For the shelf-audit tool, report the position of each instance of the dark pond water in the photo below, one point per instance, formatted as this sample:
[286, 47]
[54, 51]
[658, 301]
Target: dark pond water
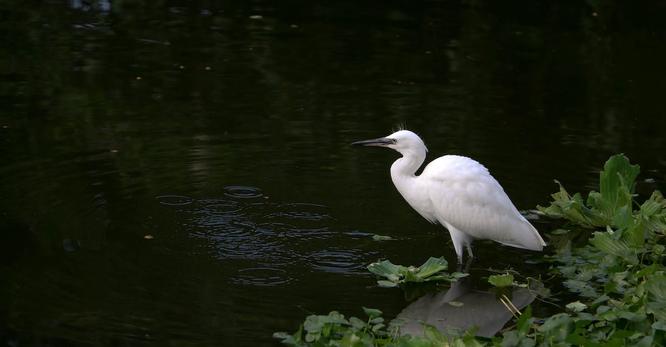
[179, 172]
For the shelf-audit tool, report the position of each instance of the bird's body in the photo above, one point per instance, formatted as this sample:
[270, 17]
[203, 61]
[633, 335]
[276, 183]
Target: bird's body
[458, 193]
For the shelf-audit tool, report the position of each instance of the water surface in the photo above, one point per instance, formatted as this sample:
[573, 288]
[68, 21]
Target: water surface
[179, 172]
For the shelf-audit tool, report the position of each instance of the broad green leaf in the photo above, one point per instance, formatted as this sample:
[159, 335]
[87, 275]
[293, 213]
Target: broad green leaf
[524, 321]
[616, 183]
[622, 217]
[605, 243]
[377, 327]
[584, 288]
[372, 312]
[656, 286]
[432, 266]
[659, 325]
[635, 234]
[559, 231]
[432, 334]
[386, 284]
[653, 213]
[385, 269]
[576, 306]
[313, 323]
[600, 299]
[557, 327]
[572, 208]
[285, 338]
[357, 323]
[377, 320]
[395, 275]
[505, 280]
[655, 204]
[658, 309]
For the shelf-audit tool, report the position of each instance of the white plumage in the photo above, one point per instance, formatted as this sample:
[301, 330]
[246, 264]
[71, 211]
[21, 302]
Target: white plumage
[458, 193]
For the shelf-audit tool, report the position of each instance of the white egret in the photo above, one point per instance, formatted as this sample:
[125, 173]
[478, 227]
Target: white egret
[458, 193]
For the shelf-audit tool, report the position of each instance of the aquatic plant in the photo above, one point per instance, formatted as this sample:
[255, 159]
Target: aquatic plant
[432, 270]
[618, 277]
[336, 330]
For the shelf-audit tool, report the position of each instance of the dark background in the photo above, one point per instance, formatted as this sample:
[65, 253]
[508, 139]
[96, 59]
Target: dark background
[222, 131]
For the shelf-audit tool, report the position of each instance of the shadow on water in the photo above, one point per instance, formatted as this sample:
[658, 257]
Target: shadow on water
[178, 173]
[460, 308]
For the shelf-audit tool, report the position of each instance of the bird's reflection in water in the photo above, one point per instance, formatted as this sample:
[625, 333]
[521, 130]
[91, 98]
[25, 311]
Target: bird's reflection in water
[461, 308]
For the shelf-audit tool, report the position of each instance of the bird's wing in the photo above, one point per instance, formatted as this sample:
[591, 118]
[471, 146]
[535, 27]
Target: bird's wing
[465, 195]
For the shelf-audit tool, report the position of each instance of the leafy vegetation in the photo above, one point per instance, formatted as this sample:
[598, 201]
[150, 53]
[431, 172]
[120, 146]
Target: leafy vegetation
[505, 280]
[394, 275]
[618, 277]
[336, 330]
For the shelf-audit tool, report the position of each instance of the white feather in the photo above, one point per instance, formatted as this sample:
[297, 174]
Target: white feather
[460, 194]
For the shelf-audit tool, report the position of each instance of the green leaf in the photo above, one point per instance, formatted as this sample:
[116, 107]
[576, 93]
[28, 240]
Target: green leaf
[287, 339]
[559, 232]
[382, 238]
[386, 284]
[573, 209]
[659, 325]
[372, 312]
[635, 234]
[524, 321]
[557, 327]
[394, 275]
[505, 280]
[377, 320]
[656, 286]
[582, 287]
[576, 306]
[605, 243]
[653, 213]
[432, 266]
[385, 269]
[612, 205]
[616, 183]
[434, 335]
[357, 323]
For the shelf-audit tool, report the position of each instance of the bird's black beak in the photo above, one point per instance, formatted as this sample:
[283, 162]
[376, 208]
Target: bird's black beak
[382, 142]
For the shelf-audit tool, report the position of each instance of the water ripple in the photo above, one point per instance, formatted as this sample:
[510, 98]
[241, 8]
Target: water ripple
[346, 261]
[243, 192]
[276, 238]
[174, 200]
[262, 276]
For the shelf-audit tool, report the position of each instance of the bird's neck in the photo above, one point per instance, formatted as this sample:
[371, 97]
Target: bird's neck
[404, 169]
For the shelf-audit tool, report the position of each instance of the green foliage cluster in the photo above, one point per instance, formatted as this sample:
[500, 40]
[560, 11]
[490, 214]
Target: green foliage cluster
[432, 270]
[504, 280]
[618, 276]
[334, 327]
[336, 330]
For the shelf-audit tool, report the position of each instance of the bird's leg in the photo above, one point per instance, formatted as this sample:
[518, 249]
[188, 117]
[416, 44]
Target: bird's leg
[458, 239]
[459, 267]
[468, 265]
[470, 258]
[470, 255]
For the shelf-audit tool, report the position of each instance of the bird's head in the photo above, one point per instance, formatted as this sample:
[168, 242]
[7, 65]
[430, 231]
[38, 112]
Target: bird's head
[403, 141]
